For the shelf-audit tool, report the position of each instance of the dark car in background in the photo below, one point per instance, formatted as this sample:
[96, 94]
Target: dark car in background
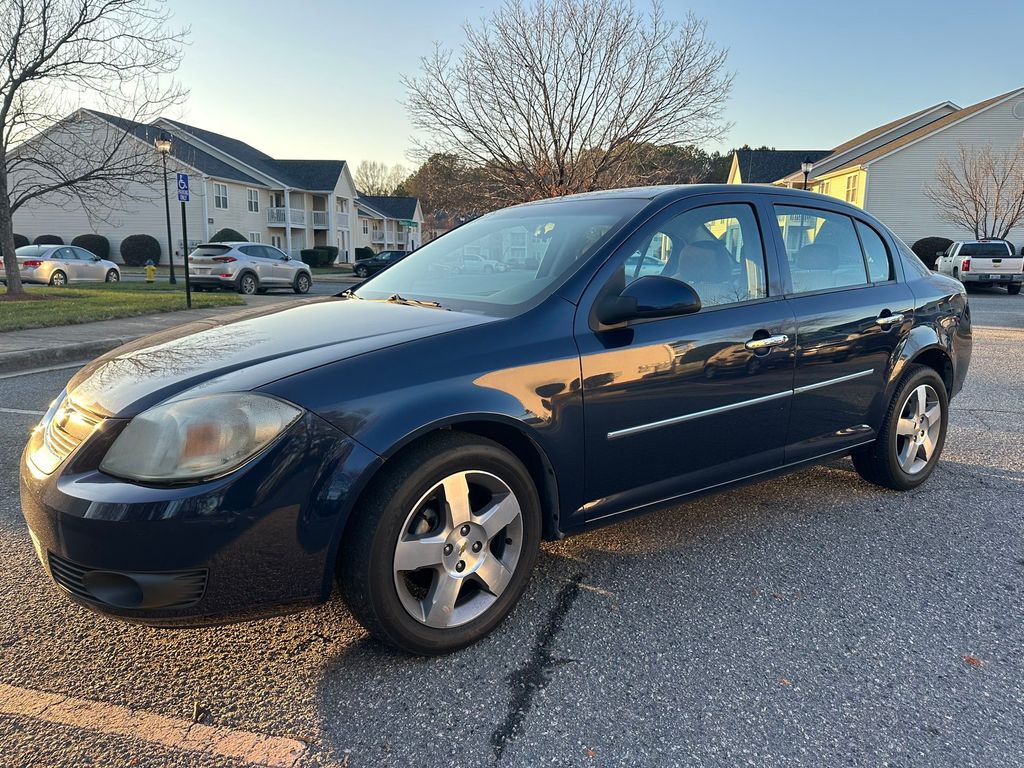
[373, 265]
[414, 439]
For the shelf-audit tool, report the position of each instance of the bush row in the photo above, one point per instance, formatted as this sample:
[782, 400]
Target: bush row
[97, 244]
[319, 256]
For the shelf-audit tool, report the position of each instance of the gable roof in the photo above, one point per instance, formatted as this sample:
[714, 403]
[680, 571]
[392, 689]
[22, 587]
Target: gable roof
[394, 207]
[318, 175]
[881, 130]
[763, 166]
[923, 131]
[180, 150]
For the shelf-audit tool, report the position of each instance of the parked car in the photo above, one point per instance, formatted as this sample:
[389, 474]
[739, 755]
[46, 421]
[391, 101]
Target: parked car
[60, 265]
[247, 268]
[383, 260]
[983, 263]
[416, 437]
[474, 264]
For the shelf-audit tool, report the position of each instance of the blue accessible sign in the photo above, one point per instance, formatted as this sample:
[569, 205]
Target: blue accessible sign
[182, 187]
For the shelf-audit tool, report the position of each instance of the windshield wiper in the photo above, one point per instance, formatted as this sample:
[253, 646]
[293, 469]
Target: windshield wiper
[394, 298]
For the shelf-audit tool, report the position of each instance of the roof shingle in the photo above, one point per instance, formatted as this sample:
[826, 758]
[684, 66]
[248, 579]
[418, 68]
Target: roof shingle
[763, 166]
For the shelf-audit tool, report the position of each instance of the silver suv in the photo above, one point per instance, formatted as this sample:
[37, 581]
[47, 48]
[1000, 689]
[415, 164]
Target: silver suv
[247, 268]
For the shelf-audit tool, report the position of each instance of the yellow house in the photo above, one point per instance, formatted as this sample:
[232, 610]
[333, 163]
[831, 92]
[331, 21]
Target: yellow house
[765, 166]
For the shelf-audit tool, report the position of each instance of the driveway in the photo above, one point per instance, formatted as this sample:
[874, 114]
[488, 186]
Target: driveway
[811, 620]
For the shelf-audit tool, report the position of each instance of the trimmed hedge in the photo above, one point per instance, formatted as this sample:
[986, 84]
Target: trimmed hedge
[48, 240]
[331, 250]
[315, 257]
[20, 240]
[927, 249]
[227, 235]
[136, 250]
[364, 253]
[96, 244]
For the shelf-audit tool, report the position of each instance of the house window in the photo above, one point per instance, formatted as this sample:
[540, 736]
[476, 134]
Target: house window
[851, 188]
[825, 187]
[366, 228]
[275, 240]
[341, 204]
[254, 237]
[253, 201]
[220, 196]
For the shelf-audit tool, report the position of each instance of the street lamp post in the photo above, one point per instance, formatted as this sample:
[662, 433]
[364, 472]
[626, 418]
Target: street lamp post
[163, 146]
[806, 166]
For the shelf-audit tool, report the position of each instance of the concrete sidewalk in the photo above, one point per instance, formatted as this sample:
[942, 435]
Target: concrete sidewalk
[39, 347]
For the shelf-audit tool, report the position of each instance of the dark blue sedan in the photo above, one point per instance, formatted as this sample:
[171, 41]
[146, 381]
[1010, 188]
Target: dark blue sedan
[414, 439]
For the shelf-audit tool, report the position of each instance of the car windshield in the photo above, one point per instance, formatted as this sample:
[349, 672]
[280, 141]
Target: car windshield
[507, 261]
[32, 250]
[984, 249]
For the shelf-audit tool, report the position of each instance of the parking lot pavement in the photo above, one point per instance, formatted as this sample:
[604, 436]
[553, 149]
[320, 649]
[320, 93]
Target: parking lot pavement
[810, 620]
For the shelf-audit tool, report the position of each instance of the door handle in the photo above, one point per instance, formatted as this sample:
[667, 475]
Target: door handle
[889, 320]
[767, 343]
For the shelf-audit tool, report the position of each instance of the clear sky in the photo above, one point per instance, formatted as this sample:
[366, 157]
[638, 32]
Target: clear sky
[320, 79]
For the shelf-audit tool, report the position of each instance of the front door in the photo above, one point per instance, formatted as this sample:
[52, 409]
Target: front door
[852, 312]
[678, 404]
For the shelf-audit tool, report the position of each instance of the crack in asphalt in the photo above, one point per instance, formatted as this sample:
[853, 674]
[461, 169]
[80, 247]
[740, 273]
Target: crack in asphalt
[535, 674]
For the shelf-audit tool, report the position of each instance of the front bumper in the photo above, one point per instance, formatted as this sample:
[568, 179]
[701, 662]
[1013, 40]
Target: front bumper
[258, 541]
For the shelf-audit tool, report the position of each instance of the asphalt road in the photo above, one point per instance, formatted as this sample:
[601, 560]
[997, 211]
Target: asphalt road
[812, 620]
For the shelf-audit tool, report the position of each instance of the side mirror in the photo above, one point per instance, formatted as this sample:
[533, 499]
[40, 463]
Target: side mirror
[647, 298]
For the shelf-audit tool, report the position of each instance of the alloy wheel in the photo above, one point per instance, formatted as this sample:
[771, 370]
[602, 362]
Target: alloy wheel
[248, 285]
[458, 549]
[918, 429]
[58, 279]
[112, 277]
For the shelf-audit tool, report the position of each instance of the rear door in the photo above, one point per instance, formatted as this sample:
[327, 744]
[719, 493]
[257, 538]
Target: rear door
[259, 263]
[852, 311]
[995, 260]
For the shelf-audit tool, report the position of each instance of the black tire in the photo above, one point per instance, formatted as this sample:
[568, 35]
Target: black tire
[366, 556]
[248, 284]
[878, 463]
[1014, 289]
[361, 271]
[59, 279]
[112, 276]
[303, 282]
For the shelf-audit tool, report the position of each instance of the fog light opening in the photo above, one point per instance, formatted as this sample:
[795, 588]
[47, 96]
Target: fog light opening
[115, 589]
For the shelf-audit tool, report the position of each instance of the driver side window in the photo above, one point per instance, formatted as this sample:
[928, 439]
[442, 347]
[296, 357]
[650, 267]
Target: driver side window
[716, 249]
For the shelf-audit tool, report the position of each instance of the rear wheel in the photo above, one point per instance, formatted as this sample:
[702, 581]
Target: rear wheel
[912, 435]
[1013, 289]
[442, 546]
[58, 279]
[247, 284]
[112, 276]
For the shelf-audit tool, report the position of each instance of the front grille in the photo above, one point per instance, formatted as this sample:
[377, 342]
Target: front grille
[67, 429]
[166, 589]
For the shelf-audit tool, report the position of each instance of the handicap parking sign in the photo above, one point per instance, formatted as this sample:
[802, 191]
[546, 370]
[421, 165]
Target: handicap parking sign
[182, 187]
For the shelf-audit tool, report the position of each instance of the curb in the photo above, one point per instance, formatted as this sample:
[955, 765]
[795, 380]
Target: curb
[26, 359]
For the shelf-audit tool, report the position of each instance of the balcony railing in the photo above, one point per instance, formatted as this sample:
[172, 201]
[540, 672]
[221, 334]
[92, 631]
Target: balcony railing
[378, 236]
[282, 216]
[320, 219]
[341, 220]
[400, 238]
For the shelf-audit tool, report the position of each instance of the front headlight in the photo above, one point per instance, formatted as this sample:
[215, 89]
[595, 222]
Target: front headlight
[197, 438]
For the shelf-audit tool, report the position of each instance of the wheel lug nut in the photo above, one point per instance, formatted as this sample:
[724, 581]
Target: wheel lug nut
[477, 546]
[464, 530]
[460, 566]
[448, 549]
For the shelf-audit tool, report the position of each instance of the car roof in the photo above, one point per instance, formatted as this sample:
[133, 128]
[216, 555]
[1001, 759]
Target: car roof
[37, 249]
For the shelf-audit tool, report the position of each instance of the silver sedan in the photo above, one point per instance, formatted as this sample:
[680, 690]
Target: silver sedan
[62, 264]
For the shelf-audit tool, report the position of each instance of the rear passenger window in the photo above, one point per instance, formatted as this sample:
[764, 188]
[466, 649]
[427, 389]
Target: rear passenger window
[822, 249]
[877, 255]
[715, 249]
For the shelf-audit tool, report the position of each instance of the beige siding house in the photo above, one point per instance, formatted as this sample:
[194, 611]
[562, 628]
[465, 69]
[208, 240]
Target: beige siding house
[388, 223]
[292, 204]
[887, 170]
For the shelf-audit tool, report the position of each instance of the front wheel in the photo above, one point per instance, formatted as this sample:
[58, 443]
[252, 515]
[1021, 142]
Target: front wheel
[361, 271]
[1013, 289]
[442, 546]
[912, 435]
[113, 276]
[302, 283]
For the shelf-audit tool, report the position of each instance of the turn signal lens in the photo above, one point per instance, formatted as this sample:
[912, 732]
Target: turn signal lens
[198, 438]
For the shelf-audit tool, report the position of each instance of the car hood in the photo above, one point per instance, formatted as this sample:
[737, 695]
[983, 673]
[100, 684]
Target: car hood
[249, 349]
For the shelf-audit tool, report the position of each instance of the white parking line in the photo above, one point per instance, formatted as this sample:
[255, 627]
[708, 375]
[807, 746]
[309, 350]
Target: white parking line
[21, 410]
[252, 748]
[44, 369]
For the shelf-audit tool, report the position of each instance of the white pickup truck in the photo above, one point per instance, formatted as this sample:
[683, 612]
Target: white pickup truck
[983, 262]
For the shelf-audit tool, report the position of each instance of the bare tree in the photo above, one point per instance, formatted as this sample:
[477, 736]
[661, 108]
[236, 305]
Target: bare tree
[981, 190]
[552, 97]
[373, 178]
[55, 57]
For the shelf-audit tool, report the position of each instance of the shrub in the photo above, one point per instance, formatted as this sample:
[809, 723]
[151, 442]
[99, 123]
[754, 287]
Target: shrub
[315, 257]
[330, 250]
[136, 250]
[20, 240]
[364, 253]
[48, 240]
[928, 248]
[97, 244]
[227, 235]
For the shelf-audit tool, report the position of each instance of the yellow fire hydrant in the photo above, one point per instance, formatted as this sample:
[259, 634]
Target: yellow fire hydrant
[150, 271]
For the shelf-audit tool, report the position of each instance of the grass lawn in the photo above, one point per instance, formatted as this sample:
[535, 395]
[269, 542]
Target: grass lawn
[100, 301]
